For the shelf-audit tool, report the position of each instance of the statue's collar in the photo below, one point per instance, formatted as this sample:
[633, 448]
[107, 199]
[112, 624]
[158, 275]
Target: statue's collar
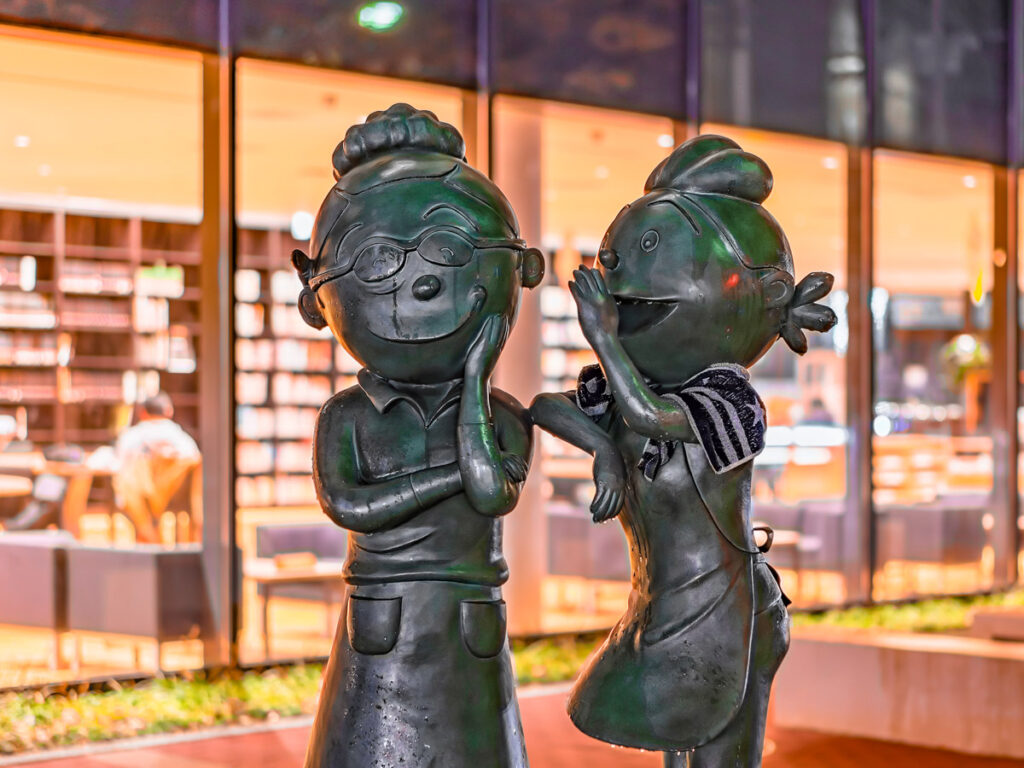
[428, 400]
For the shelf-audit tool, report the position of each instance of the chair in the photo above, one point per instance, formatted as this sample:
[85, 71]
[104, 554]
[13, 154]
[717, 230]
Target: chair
[147, 487]
[148, 591]
[35, 564]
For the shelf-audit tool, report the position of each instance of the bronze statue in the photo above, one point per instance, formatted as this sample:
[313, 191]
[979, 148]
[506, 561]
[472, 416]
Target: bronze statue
[417, 267]
[694, 284]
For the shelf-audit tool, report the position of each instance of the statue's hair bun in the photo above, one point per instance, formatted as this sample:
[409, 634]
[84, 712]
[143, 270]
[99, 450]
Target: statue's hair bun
[713, 165]
[398, 127]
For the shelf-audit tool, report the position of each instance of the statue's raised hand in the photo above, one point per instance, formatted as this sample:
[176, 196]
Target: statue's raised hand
[483, 354]
[599, 317]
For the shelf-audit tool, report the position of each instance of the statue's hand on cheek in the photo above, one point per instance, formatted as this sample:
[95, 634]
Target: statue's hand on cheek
[599, 317]
[483, 354]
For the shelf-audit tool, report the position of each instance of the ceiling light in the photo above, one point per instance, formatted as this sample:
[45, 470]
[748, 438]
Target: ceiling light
[970, 182]
[829, 162]
[666, 140]
[22, 141]
[602, 172]
[302, 225]
[44, 169]
[380, 16]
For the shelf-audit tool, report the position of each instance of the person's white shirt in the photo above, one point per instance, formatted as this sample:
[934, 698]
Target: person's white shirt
[158, 436]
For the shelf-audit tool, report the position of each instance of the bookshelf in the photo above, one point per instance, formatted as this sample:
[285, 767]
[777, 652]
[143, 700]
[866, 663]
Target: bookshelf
[96, 312]
[285, 371]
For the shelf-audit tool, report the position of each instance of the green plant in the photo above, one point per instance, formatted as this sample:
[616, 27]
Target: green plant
[942, 614]
[33, 720]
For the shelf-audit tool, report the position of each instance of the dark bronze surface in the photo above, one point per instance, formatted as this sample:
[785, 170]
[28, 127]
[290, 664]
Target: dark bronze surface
[417, 267]
[693, 274]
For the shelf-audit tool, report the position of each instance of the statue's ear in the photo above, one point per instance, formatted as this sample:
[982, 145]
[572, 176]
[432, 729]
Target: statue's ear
[778, 289]
[309, 307]
[303, 265]
[533, 267]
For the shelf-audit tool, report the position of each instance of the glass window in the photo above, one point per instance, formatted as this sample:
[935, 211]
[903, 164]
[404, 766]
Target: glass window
[1020, 361]
[100, 206]
[941, 82]
[193, 22]
[421, 39]
[931, 313]
[752, 74]
[593, 51]
[290, 118]
[589, 163]
[800, 483]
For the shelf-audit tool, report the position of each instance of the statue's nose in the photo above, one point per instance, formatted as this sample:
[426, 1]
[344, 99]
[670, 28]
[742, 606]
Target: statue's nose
[608, 257]
[426, 287]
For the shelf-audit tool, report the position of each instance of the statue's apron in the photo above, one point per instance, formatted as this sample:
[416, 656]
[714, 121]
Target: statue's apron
[417, 671]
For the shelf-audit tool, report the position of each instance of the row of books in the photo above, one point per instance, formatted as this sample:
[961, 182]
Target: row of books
[287, 422]
[283, 286]
[254, 457]
[253, 388]
[62, 385]
[283, 354]
[28, 349]
[270, 490]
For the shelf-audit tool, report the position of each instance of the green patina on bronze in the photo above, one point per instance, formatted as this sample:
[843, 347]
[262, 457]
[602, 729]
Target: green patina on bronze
[417, 268]
[694, 283]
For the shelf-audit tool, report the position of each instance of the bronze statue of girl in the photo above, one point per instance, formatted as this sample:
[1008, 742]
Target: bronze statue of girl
[417, 267]
[694, 284]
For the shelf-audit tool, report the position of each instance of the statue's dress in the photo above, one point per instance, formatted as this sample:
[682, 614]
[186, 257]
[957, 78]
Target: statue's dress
[706, 625]
[420, 675]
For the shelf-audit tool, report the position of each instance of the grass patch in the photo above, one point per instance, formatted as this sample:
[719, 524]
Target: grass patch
[33, 721]
[30, 721]
[941, 614]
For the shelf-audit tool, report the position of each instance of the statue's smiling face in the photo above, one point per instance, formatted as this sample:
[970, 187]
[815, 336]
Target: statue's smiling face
[418, 281]
[685, 300]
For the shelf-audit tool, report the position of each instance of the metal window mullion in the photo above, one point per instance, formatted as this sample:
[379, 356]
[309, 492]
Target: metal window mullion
[216, 356]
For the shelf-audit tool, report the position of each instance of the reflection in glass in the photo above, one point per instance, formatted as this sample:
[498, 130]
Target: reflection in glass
[931, 310]
[100, 472]
[941, 77]
[800, 479]
[1020, 362]
[815, 88]
[601, 52]
[591, 163]
[290, 119]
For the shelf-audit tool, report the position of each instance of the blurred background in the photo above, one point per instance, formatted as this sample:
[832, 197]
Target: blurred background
[159, 162]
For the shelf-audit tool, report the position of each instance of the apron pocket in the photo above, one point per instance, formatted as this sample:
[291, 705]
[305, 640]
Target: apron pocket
[373, 623]
[483, 626]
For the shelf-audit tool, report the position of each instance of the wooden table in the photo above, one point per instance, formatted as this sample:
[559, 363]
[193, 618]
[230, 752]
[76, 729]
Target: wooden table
[14, 485]
[265, 572]
[80, 477]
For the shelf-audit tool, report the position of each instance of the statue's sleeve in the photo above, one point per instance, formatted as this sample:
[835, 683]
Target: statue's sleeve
[368, 507]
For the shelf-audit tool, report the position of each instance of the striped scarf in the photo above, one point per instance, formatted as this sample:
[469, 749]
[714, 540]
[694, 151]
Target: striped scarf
[725, 411]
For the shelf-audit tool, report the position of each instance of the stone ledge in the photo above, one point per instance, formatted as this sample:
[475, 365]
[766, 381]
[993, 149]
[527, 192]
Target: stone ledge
[944, 691]
[999, 623]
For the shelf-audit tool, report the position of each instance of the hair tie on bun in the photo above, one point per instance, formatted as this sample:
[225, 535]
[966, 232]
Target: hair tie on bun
[713, 165]
[399, 127]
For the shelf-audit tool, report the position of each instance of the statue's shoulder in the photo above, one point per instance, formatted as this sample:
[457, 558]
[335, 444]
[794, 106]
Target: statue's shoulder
[344, 405]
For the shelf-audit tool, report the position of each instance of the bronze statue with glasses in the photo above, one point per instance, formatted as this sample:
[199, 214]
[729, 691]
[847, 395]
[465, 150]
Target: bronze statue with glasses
[416, 266]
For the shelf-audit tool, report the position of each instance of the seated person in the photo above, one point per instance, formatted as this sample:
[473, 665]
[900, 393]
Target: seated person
[155, 457]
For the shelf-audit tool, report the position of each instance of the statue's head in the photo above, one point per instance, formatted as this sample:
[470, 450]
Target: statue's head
[412, 249]
[701, 272]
